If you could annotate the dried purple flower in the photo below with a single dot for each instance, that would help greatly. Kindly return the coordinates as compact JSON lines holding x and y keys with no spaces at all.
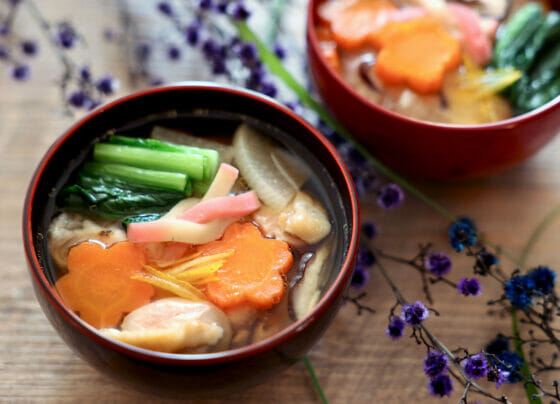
{"x":173,"y":52}
{"x":365,"y":258}
{"x":469,"y":287}
{"x":519,"y":291}
{"x":279,"y":51}
{"x":21,"y":72}
{"x":360,"y":277}
{"x":441,"y":385}
{"x":4,"y":51}
{"x":29,"y":47}
{"x":395,"y":328}
{"x":497,"y":375}
{"x":248,"y":53}
{"x":107,"y":85}
{"x":191,"y":34}
{"x":85,"y":74}
{"x":66,"y":36}
{"x":390,"y":196}
{"x":222,"y":7}
{"x":165,"y":8}
{"x":369,"y":230}
{"x":268,"y":89}
{"x":462,"y":233}
{"x":414,"y":314}
{"x":475,"y":366}
{"x":210,"y":48}
{"x":438,"y":263}
{"x":219,"y":66}
{"x":143,"y":51}
{"x":544,"y":279}
{"x":77,"y":99}
{"x":205,"y":4}
{"x":240,"y":12}
{"x":4,"y":30}
{"x":435,"y":363}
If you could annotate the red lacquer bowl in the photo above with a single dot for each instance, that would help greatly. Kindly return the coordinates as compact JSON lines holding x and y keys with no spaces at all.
{"x":427,"y":149}
{"x":203,"y":108}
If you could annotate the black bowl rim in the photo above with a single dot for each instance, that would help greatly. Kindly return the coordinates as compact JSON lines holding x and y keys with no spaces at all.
{"x":313,"y":41}
{"x":293,"y":329}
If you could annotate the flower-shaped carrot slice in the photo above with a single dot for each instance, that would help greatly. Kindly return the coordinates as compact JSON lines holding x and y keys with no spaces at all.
{"x":98,"y":284}
{"x":253,"y":273}
{"x":416,"y":53}
{"x":352,"y":23}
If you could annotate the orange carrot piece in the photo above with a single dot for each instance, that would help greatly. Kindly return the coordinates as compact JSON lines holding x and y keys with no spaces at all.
{"x":98,"y":284}
{"x":416,"y":53}
{"x":353,"y":24}
{"x":253,"y":273}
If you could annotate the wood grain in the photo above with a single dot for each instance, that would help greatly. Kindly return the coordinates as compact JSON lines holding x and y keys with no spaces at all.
{"x":355,"y":361}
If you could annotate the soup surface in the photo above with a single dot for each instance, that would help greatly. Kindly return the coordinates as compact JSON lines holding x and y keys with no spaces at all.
{"x":191,"y":243}
{"x":465,"y":62}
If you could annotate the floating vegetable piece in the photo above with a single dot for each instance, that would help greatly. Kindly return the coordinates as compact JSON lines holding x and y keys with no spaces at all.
{"x":254,"y":157}
{"x":352,"y":25}
{"x":305,"y":219}
{"x":98,"y":284}
{"x":177,"y":230}
{"x":513,"y":37}
{"x":222,"y":207}
{"x":223,"y":181}
{"x":211,"y":158}
{"x":307,"y":291}
{"x":175,"y":325}
{"x":170,"y":283}
{"x":254,"y":273}
{"x":179,"y":137}
{"x":416,"y":53}
{"x":187,"y":163}
{"x":476,"y":42}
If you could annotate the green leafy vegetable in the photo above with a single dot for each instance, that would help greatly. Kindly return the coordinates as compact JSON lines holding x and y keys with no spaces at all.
{"x":530,"y":42}
{"x":133,"y":175}
{"x":211,"y":160}
{"x":111,"y":198}
{"x":186,"y":163}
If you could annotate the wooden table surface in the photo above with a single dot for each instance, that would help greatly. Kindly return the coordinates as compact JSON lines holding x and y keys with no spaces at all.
{"x":355,"y":361}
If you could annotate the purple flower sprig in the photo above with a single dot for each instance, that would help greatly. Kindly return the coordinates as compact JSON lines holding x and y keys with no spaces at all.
{"x":79,"y":89}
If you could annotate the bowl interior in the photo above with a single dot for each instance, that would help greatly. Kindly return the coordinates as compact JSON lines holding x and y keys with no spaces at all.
{"x":203,"y":111}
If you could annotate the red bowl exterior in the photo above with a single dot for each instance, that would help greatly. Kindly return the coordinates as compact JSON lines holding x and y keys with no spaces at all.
{"x":424,"y":149}
{"x":172,"y":375}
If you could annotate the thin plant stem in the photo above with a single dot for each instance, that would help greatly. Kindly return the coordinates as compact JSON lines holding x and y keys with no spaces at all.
{"x":530,"y":389}
{"x":537,"y":233}
{"x":315,"y":380}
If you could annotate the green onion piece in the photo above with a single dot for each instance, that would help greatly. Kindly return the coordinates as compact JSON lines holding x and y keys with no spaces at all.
{"x":159,"y":179}
{"x":190,"y":164}
{"x":211,"y":161}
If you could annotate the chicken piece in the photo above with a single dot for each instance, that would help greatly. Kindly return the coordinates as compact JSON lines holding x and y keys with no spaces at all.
{"x":69,"y":229}
{"x":305,"y":219}
{"x":175,"y":325}
{"x":266,"y":218}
